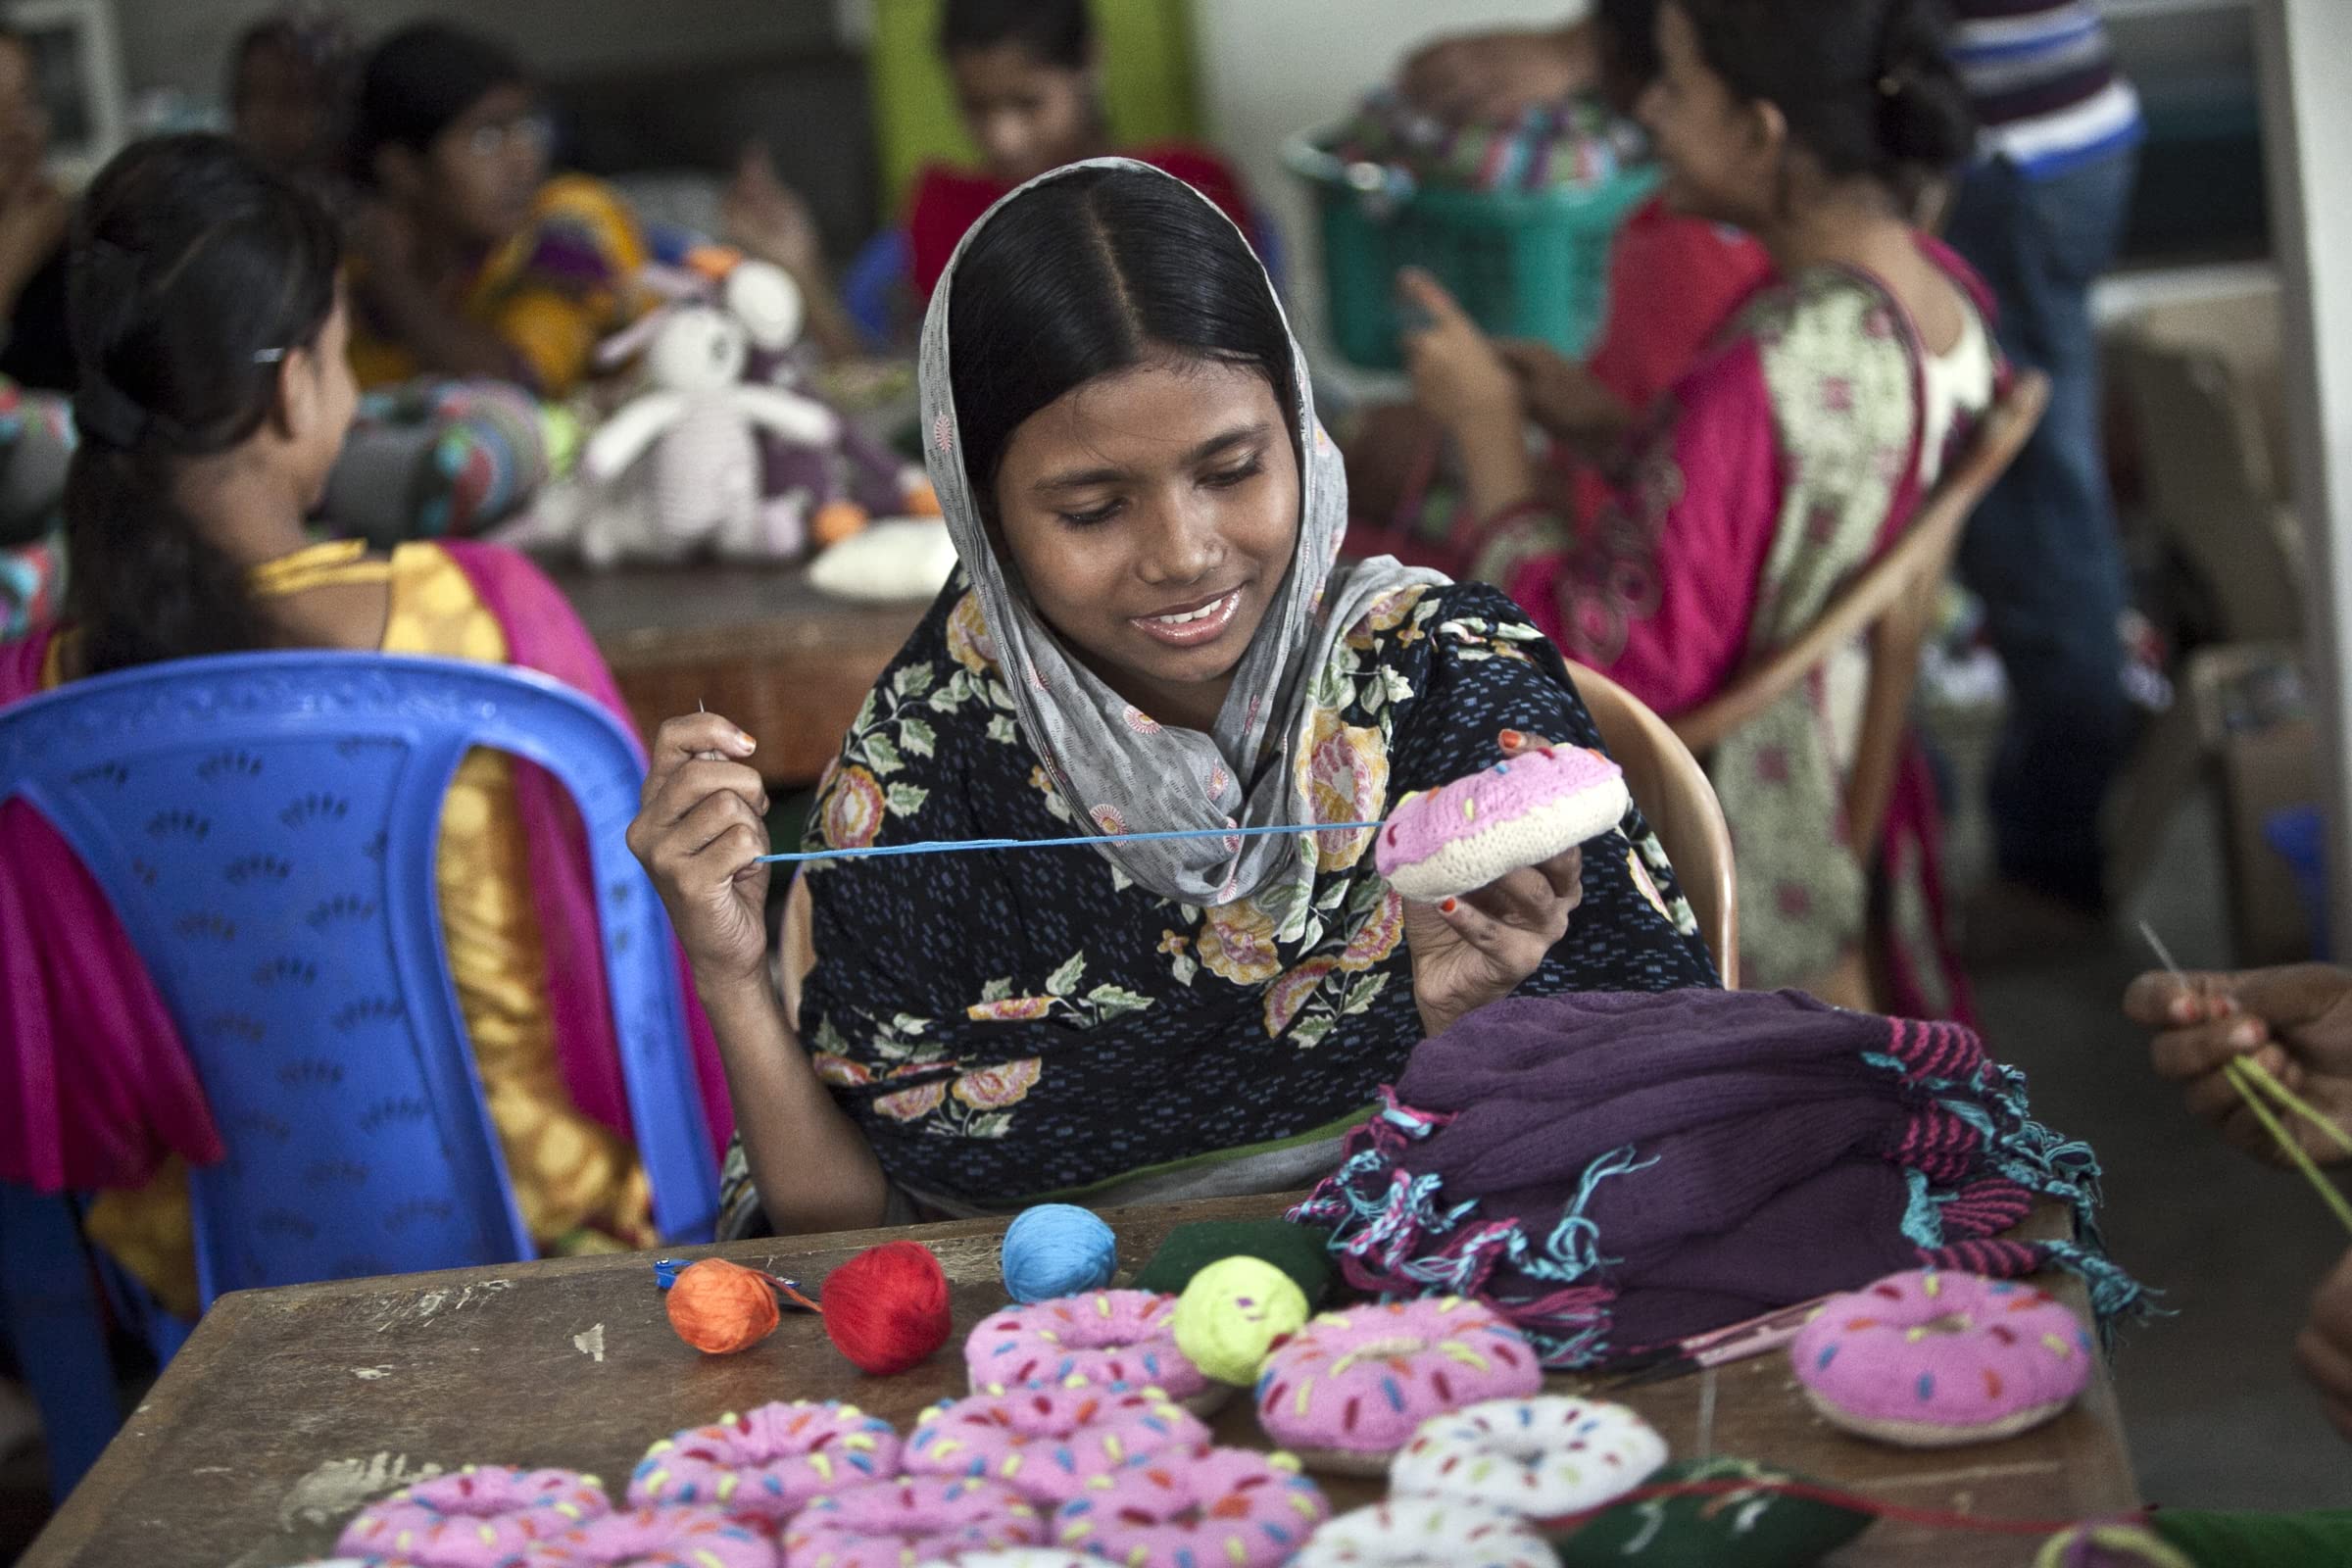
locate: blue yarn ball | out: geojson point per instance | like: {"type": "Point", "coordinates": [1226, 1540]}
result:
{"type": "Point", "coordinates": [1057, 1250]}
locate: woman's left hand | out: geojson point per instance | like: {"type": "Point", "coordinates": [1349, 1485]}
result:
{"type": "Point", "coordinates": [1477, 948]}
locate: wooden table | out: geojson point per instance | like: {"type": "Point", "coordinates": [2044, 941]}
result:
{"type": "Point", "coordinates": [289, 1407]}
{"type": "Point", "coordinates": [754, 643]}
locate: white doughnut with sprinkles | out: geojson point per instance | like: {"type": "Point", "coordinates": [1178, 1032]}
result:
{"type": "Point", "coordinates": [1541, 1457]}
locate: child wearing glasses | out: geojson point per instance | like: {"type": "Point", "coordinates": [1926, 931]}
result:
{"type": "Point", "coordinates": [470, 259]}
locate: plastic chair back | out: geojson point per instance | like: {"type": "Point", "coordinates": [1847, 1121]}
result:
{"type": "Point", "coordinates": [265, 826]}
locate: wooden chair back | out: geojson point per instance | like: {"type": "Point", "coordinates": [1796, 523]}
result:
{"type": "Point", "coordinates": [1890, 603]}
{"type": "Point", "coordinates": [1673, 791]}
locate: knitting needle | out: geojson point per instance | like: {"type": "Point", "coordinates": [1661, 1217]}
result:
{"type": "Point", "coordinates": [947, 846]}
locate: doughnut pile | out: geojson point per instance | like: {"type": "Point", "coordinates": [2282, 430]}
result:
{"type": "Point", "coordinates": [1931, 1358]}
{"type": "Point", "coordinates": [767, 1463]}
{"type": "Point", "coordinates": [1539, 1457]}
{"type": "Point", "coordinates": [1048, 1443]}
{"type": "Point", "coordinates": [1521, 811]}
{"type": "Point", "coordinates": [1198, 1507]}
{"type": "Point", "coordinates": [655, 1538]}
{"type": "Point", "coordinates": [1115, 1341]}
{"type": "Point", "coordinates": [888, 1524]}
{"type": "Point", "coordinates": [477, 1518]}
{"type": "Point", "coordinates": [1352, 1387]}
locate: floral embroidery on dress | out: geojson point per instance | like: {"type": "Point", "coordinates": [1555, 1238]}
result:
{"type": "Point", "coordinates": [1090, 998]}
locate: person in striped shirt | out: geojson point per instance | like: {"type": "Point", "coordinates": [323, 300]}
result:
{"type": "Point", "coordinates": [2039, 216]}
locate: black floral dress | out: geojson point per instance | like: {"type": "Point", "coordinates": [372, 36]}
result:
{"type": "Point", "coordinates": [1008, 1025]}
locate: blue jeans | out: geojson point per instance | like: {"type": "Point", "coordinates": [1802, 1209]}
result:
{"type": "Point", "coordinates": [2041, 550]}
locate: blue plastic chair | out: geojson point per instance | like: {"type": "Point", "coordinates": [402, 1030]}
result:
{"type": "Point", "coordinates": [265, 826]}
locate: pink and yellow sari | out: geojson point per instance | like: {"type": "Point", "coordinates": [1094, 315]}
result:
{"type": "Point", "coordinates": [96, 1090]}
{"type": "Point", "coordinates": [1780, 464]}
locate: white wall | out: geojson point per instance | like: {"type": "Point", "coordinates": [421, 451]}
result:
{"type": "Point", "coordinates": [2306, 125]}
{"type": "Point", "coordinates": [1271, 68]}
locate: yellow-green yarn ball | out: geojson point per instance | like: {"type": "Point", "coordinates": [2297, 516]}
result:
{"type": "Point", "coordinates": [1232, 1314]}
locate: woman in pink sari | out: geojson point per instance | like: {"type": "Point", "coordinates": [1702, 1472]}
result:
{"type": "Point", "coordinates": [1794, 449]}
{"type": "Point", "coordinates": [214, 396]}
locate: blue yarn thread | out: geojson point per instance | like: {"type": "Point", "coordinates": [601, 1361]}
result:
{"type": "Point", "coordinates": [1057, 1250]}
{"type": "Point", "coordinates": [951, 846]}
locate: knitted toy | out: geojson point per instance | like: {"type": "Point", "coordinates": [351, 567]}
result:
{"type": "Point", "coordinates": [1519, 812]}
{"type": "Point", "coordinates": [695, 432]}
{"type": "Point", "coordinates": [829, 492]}
{"type": "Point", "coordinates": [1762, 1528]}
{"type": "Point", "coordinates": [436, 459]}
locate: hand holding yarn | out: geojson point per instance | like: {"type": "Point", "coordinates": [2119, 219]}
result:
{"type": "Point", "coordinates": [1057, 1250]}
{"type": "Point", "coordinates": [2296, 1020]}
{"type": "Point", "coordinates": [1505, 889]}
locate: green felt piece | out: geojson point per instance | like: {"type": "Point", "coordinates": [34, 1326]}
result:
{"type": "Point", "coordinates": [1299, 1250]}
{"type": "Point", "coordinates": [2310, 1539]}
{"type": "Point", "coordinates": [1757, 1529]}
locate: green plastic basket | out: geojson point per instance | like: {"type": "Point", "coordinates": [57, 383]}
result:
{"type": "Point", "coordinates": [1522, 263]}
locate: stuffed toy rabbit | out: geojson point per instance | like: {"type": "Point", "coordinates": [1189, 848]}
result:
{"type": "Point", "coordinates": [694, 437]}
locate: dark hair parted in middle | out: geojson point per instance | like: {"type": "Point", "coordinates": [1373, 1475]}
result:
{"type": "Point", "coordinates": [1866, 86]}
{"type": "Point", "coordinates": [1089, 274]}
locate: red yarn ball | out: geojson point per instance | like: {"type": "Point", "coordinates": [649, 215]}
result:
{"type": "Point", "coordinates": [887, 1307]}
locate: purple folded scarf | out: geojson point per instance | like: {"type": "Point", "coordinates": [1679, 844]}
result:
{"type": "Point", "coordinates": [1613, 1173]}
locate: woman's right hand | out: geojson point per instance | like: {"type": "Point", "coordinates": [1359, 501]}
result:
{"type": "Point", "coordinates": [701, 823]}
{"type": "Point", "coordinates": [2296, 1020]}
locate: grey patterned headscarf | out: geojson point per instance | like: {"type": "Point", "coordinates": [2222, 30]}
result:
{"type": "Point", "coordinates": [1113, 764]}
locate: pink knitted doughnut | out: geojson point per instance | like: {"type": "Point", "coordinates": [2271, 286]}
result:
{"type": "Point", "coordinates": [1929, 1359]}
{"type": "Point", "coordinates": [888, 1524]}
{"type": "Point", "coordinates": [765, 1464]}
{"type": "Point", "coordinates": [1347, 1391]}
{"type": "Point", "coordinates": [1047, 1443]}
{"type": "Point", "coordinates": [1017, 1557]}
{"type": "Point", "coordinates": [1521, 811]}
{"type": "Point", "coordinates": [1198, 1507]}
{"type": "Point", "coordinates": [656, 1538]}
{"type": "Point", "coordinates": [477, 1518]}
{"type": "Point", "coordinates": [1120, 1341]}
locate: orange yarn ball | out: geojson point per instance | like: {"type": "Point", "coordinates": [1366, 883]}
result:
{"type": "Point", "coordinates": [720, 1307]}
{"type": "Point", "coordinates": [887, 1308]}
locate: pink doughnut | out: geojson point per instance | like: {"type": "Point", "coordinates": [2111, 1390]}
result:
{"type": "Point", "coordinates": [888, 1524]}
{"type": "Point", "coordinates": [1120, 1341]}
{"type": "Point", "coordinates": [655, 1538]}
{"type": "Point", "coordinates": [1048, 1443]}
{"type": "Point", "coordinates": [1929, 1359]}
{"type": "Point", "coordinates": [765, 1464]}
{"type": "Point", "coordinates": [477, 1518]}
{"type": "Point", "coordinates": [1348, 1390]}
{"type": "Point", "coordinates": [1199, 1508]}
{"type": "Point", "coordinates": [1521, 811]}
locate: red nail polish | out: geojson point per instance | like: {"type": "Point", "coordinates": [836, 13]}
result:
{"type": "Point", "coordinates": [1512, 739]}
{"type": "Point", "coordinates": [1449, 906]}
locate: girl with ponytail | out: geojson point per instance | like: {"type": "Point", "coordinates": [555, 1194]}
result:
{"type": "Point", "coordinates": [215, 393]}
